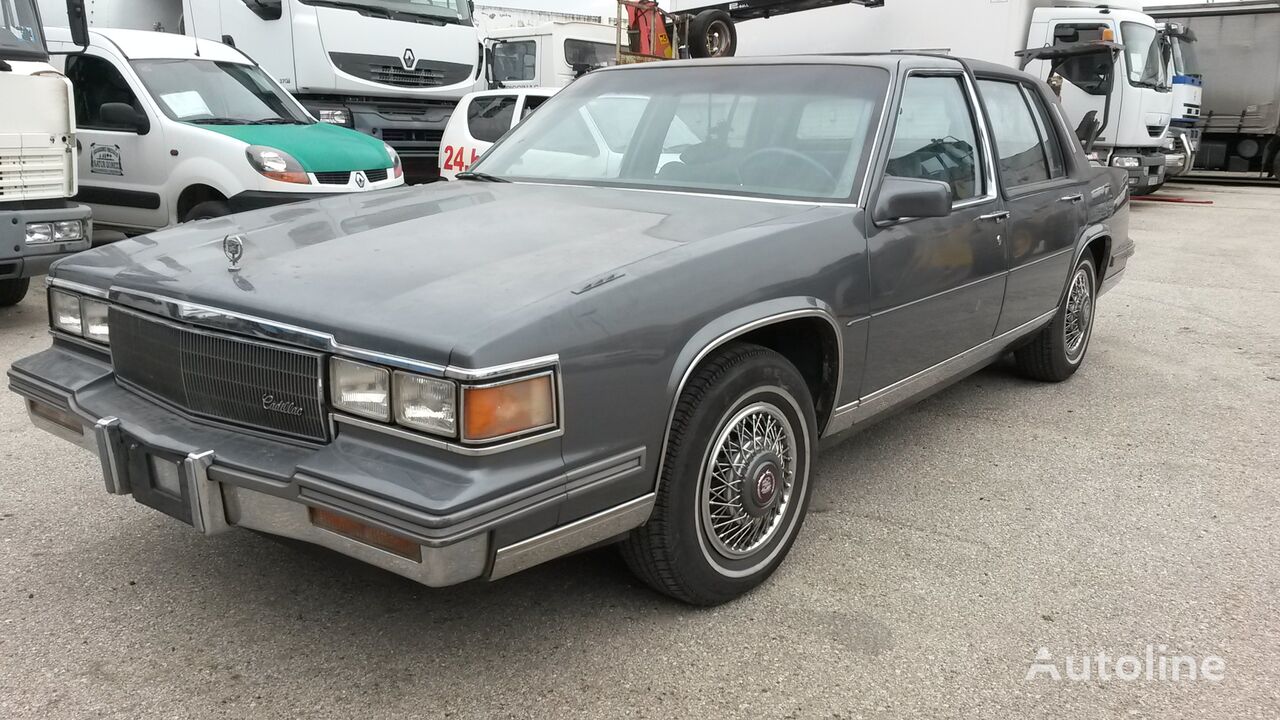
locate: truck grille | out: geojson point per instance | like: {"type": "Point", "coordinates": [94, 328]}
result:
{"type": "Point", "coordinates": [390, 70]}
{"type": "Point", "coordinates": [31, 174]}
{"type": "Point", "coordinates": [398, 76]}
{"type": "Point", "coordinates": [219, 376]}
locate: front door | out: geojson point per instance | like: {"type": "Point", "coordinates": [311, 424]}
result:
{"type": "Point", "coordinates": [122, 169]}
{"type": "Point", "coordinates": [936, 283]}
{"type": "Point", "coordinates": [1046, 204]}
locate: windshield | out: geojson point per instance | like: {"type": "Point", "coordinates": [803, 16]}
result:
{"type": "Point", "coordinates": [585, 55]}
{"type": "Point", "coordinates": [1144, 54]}
{"type": "Point", "coordinates": [20, 35]}
{"type": "Point", "coordinates": [782, 131]}
{"type": "Point", "coordinates": [1185, 61]}
{"type": "Point", "coordinates": [217, 93]}
{"type": "Point", "coordinates": [451, 11]}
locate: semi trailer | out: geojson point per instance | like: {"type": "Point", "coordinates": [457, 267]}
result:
{"type": "Point", "coordinates": [1135, 107]}
{"type": "Point", "coordinates": [393, 69]}
{"type": "Point", "coordinates": [38, 222]}
{"type": "Point", "coordinates": [1239, 57]}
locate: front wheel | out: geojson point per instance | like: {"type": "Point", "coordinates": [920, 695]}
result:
{"type": "Point", "coordinates": [1056, 352]}
{"type": "Point", "coordinates": [207, 210]}
{"type": "Point", "coordinates": [735, 482]}
{"type": "Point", "coordinates": [12, 291]}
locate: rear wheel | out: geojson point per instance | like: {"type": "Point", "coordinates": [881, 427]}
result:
{"type": "Point", "coordinates": [207, 209]}
{"type": "Point", "coordinates": [735, 483]}
{"type": "Point", "coordinates": [1056, 352]}
{"type": "Point", "coordinates": [12, 291]}
{"type": "Point", "coordinates": [712, 34]}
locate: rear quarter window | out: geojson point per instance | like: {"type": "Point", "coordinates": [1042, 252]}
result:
{"type": "Point", "coordinates": [488, 118]}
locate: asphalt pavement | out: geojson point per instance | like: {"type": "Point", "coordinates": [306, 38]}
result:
{"type": "Point", "coordinates": [954, 555]}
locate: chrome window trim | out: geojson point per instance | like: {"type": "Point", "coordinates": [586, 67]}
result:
{"type": "Point", "coordinates": [743, 329]}
{"type": "Point", "coordinates": [436, 442]}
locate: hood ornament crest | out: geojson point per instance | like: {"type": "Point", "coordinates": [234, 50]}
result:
{"type": "Point", "coordinates": [233, 248]}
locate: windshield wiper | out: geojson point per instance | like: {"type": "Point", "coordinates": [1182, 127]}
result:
{"type": "Point", "coordinates": [277, 121]}
{"type": "Point", "coordinates": [218, 121]}
{"type": "Point", "coordinates": [480, 177]}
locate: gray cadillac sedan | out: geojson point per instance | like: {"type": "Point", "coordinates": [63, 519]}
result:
{"type": "Point", "coordinates": [632, 322]}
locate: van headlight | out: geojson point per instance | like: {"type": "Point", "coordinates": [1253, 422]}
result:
{"type": "Point", "coordinates": [276, 164]}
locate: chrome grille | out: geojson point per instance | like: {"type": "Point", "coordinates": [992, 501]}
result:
{"type": "Point", "coordinates": [219, 376]}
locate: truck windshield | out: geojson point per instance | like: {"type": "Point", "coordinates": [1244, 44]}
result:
{"type": "Point", "coordinates": [217, 93]}
{"type": "Point", "coordinates": [20, 35]}
{"type": "Point", "coordinates": [1144, 55]}
{"type": "Point", "coordinates": [778, 131]}
{"type": "Point", "coordinates": [587, 55]}
{"type": "Point", "coordinates": [451, 11]}
{"type": "Point", "coordinates": [1185, 61]}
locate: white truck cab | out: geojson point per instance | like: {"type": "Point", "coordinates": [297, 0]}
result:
{"type": "Point", "coordinates": [553, 54]}
{"type": "Point", "coordinates": [173, 129]}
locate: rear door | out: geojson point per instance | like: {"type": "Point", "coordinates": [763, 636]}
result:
{"type": "Point", "coordinates": [474, 127]}
{"type": "Point", "coordinates": [1045, 203]}
{"type": "Point", "coordinates": [936, 283]}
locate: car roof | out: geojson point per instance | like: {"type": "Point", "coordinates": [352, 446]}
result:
{"type": "Point", "coordinates": [888, 61]}
{"type": "Point", "coordinates": [148, 45]}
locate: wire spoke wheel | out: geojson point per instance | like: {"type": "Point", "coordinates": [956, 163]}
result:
{"type": "Point", "coordinates": [748, 482]}
{"type": "Point", "coordinates": [1079, 315]}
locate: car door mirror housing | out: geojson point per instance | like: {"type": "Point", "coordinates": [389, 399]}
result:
{"type": "Point", "coordinates": [123, 115]}
{"type": "Point", "coordinates": [902, 198]}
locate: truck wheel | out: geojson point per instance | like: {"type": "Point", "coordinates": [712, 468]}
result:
{"type": "Point", "coordinates": [12, 291]}
{"type": "Point", "coordinates": [1056, 352]}
{"type": "Point", "coordinates": [735, 481]}
{"type": "Point", "coordinates": [207, 209]}
{"type": "Point", "coordinates": [712, 34]}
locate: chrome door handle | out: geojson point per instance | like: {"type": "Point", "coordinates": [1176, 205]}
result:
{"type": "Point", "coordinates": [1071, 198]}
{"type": "Point", "coordinates": [995, 216]}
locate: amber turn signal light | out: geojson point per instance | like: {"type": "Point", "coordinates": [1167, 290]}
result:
{"type": "Point", "coordinates": [497, 411]}
{"type": "Point", "coordinates": [365, 533]}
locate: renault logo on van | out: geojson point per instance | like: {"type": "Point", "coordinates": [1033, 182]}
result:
{"type": "Point", "coordinates": [359, 179]}
{"type": "Point", "coordinates": [408, 59]}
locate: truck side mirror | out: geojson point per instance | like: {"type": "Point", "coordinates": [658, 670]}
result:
{"type": "Point", "coordinates": [78, 23]}
{"type": "Point", "coordinates": [122, 115]}
{"type": "Point", "coordinates": [265, 9]}
{"type": "Point", "coordinates": [902, 198]}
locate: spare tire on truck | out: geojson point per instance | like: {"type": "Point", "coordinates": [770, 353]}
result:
{"type": "Point", "coordinates": [712, 34]}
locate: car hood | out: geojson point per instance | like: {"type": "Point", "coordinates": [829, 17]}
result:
{"type": "Point", "coordinates": [318, 147]}
{"type": "Point", "coordinates": [411, 271]}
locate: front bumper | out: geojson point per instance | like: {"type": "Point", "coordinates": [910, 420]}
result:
{"type": "Point", "coordinates": [228, 478]}
{"type": "Point", "coordinates": [1148, 174]}
{"type": "Point", "coordinates": [21, 260]}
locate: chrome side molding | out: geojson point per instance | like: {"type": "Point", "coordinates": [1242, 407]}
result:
{"type": "Point", "coordinates": [575, 536]}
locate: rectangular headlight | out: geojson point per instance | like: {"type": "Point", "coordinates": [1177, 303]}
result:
{"type": "Point", "coordinates": [64, 311]}
{"type": "Point", "coordinates": [1124, 161]}
{"type": "Point", "coordinates": [425, 403]}
{"type": "Point", "coordinates": [510, 408]}
{"type": "Point", "coordinates": [334, 116]}
{"type": "Point", "coordinates": [360, 389]}
{"type": "Point", "coordinates": [68, 230]}
{"type": "Point", "coordinates": [93, 321]}
{"type": "Point", "coordinates": [38, 233]}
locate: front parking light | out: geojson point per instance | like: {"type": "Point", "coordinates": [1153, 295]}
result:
{"type": "Point", "coordinates": [515, 407]}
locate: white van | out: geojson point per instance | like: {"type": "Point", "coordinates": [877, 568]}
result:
{"type": "Point", "coordinates": [173, 129]}
{"type": "Point", "coordinates": [591, 146]}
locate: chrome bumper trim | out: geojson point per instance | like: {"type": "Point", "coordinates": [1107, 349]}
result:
{"type": "Point", "coordinates": [576, 535]}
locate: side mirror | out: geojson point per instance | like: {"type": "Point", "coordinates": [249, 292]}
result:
{"type": "Point", "coordinates": [122, 115]}
{"type": "Point", "coordinates": [265, 9]}
{"type": "Point", "coordinates": [78, 23]}
{"type": "Point", "coordinates": [902, 198]}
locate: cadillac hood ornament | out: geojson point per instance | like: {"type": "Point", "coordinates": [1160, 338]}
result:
{"type": "Point", "coordinates": [233, 248]}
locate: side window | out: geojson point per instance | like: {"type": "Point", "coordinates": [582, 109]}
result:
{"type": "Point", "coordinates": [1021, 152]}
{"type": "Point", "coordinates": [1044, 124]}
{"type": "Point", "coordinates": [935, 138]}
{"type": "Point", "coordinates": [515, 61]}
{"type": "Point", "coordinates": [96, 82]}
{"type": "Point", "coordinates": [531, 103]}
{"type": "Point", "coordinates": [489, 117]}
{"type": "Point", "coordinates": [1090, 73]}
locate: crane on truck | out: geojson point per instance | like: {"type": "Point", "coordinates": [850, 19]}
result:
{"type": "Point", "coordinates": [38, 222]}
{"type": "Point", "coordinates": [393, 69]}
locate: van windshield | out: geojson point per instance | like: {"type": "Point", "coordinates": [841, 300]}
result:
{"type": "Point", "coordinates": [20, 35]}
{"type": "Point", "coordinates": [779, 131]}
{"type": "Point", "coordinates": [217, 93]}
